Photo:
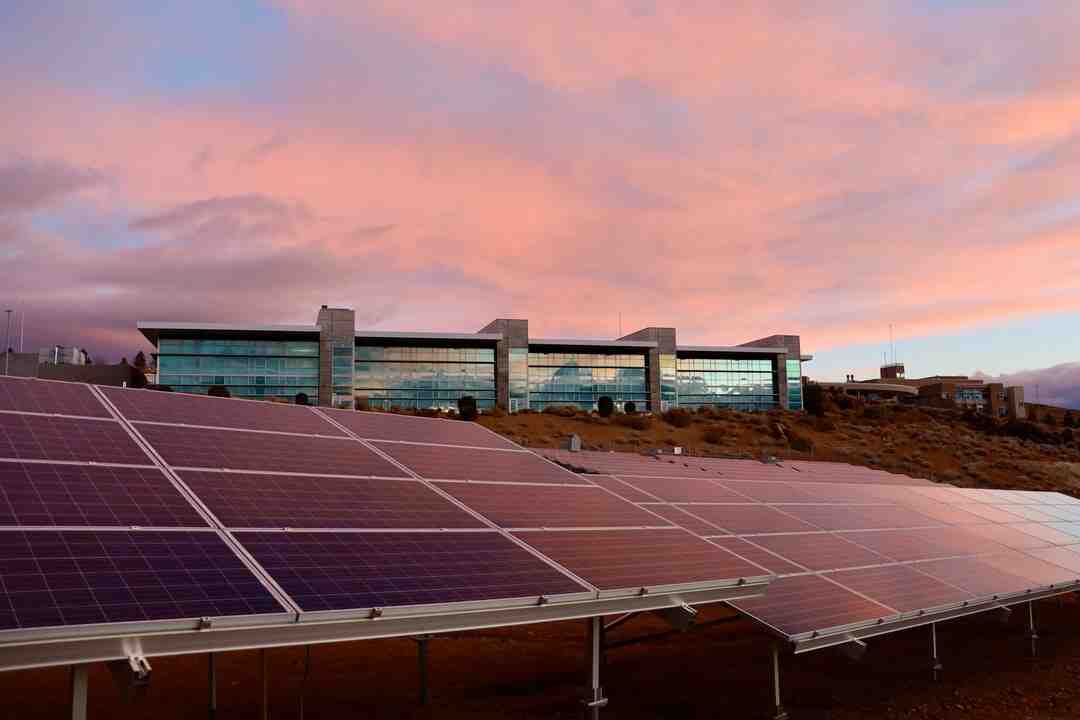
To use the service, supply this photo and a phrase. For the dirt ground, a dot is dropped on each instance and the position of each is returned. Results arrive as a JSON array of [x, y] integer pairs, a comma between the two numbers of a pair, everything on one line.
[[720, 670]]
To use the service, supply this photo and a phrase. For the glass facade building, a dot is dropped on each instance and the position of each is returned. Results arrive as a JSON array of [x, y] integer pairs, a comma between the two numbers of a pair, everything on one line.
[[423, 377], [582, 378], [739, 384], [257, 369], [334, 364]]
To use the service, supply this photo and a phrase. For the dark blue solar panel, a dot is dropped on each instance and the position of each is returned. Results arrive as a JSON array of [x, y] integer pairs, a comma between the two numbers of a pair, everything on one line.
[[46, 494], [355, 570], [46, 396], [385, 426], [147, 405], [242, 450], [280, 501], [63, 578], [454, 463], [39, 437]]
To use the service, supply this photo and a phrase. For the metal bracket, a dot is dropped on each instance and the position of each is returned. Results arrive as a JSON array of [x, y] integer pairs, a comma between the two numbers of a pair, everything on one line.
[[681, 618], [131, 676], [854, 649]]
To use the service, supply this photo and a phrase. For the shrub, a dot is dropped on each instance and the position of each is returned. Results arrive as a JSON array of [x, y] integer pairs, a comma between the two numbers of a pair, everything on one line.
[[714, 435], [561, 410], [630, 407], [605, 406], [800, 443], [1050, 419], [814, 400], [218, 391], [678, 417], [634, 422], [466, 406], [301, 399], [1070, 421], [1067, 435]]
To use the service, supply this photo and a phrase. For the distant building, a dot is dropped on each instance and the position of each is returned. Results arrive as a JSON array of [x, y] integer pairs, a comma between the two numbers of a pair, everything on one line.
[[335, 364], [947, 391], [30, 365], [61, 355]]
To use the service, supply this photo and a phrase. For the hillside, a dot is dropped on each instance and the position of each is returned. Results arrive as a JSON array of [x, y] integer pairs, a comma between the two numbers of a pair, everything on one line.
[[943, 445]]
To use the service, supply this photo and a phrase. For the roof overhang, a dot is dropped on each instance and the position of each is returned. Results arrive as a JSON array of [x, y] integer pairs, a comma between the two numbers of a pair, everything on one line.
[[153, 330], [422, 336], [730, 350], [599, 344]]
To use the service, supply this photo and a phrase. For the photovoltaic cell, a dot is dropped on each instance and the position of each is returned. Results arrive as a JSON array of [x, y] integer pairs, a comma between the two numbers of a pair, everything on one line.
[[684, 489], [535, 506], [1045, 532], [280, 501], [774, 492], [626, 559], [95, 495], [859, 517], [51, 578], [683, 519], [453, 463], [46, 396], [805, 603], [355, 570], [1038, 572], [977, 576], [184, 409], [1064, 556], [901, 587], [40, 437], [756, 555], [240, 450], [819, 551], [1008, 536], [384, 426], [904, 545], [618, 487], [747, 519]]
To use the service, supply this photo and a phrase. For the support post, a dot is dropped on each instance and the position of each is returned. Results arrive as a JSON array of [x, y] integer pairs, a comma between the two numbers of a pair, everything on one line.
[[307, 675], [265, 686], [1031, 629], [935, 664], [80, 685], [594, 699], [211, 681], [422, 661], [780, 713]]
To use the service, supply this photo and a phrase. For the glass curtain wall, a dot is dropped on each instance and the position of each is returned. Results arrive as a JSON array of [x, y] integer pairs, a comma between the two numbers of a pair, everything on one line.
[[424, 377], [581, 379], [732, 383], [794, 385], [254, 369], [519, 379]]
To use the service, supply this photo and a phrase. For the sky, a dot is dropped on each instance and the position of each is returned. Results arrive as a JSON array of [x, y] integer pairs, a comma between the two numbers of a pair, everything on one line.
[[739, 169]]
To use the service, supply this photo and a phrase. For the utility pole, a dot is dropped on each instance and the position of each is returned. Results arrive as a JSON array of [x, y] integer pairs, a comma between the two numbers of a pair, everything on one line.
[[7, 343]]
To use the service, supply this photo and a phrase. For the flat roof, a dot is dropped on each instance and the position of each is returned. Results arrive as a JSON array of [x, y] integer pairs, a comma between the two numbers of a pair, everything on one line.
[[584, 342], [726, 349], [872, 387], [152, 329]]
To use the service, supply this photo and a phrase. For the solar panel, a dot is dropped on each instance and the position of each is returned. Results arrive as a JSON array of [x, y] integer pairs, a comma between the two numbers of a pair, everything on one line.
[[1008, 536], [901, 587], [808, 603], [40, 396], [1065, 556], [990, 513], [50, 437], [360, 570], [904, 545], [513, 505], [632, 559], [976, 575], [435, 462], [242, 450], [684, 489], [384, 426], [759, 556], [859, 517], [683, 519], [748, 519], [66, 578], [1036, 571], [774, 492], [820, 551], [183, 409], [278, 501], [617, 486], [92, 495]]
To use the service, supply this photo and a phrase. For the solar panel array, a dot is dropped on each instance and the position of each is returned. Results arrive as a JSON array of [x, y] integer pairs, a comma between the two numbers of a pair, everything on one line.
[[862, 553], [134, 506]]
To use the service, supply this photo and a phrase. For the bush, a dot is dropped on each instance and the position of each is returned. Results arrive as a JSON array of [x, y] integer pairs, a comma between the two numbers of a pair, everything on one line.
[[218, 391], [561, 410], [713, 435], [1050, 419], [605, 406], [466, 406], [1070, 421], [678, 417], [1067, 435], [814, 400], [800, 443], [630, 407], [634, 422], [301, 399]]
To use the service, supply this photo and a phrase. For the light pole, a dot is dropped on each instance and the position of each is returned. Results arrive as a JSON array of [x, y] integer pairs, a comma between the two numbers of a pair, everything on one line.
[[7, 343]]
